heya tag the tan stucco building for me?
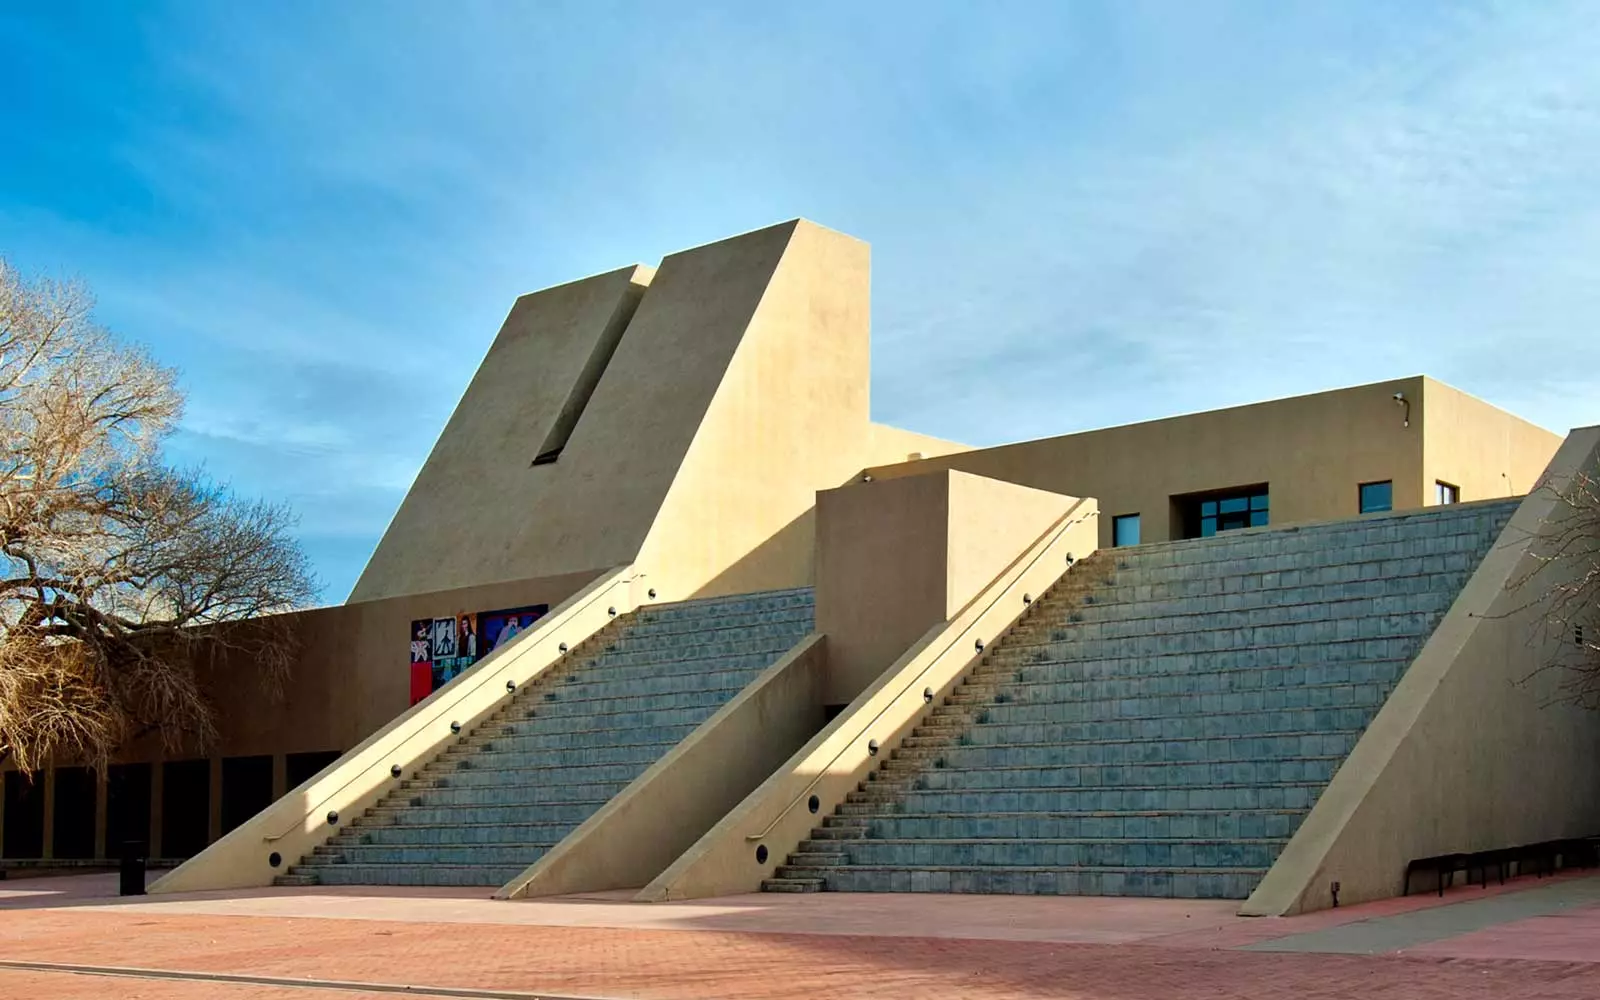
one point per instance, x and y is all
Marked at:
(701, 429)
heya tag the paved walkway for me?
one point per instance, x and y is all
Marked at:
(68, 937)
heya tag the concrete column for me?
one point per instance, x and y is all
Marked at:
(49, 848)
(102, 789)
(157, 783)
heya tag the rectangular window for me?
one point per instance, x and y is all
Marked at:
(1125, 530)
(1204, 514)
(1446, 493)
(1376, 497)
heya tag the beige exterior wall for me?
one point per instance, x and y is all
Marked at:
(898, 556)
(1484, 450)
(889, 445)
(1312, 451)
(479, 511)
(720, 392)
(1469, 753)
(787, 413)
(667, 808)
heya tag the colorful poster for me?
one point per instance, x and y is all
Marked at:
(421, 659)
(441, 648)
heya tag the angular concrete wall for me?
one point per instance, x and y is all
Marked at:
(748, 844)
(699, 407)
(896, 557)
(667, 808)
(789, 417)
(480, 511)
(1469, 753)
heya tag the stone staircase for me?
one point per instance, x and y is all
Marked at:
(561, 747)
(1161, 721)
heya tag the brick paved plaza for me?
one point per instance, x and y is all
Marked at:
(69, 937)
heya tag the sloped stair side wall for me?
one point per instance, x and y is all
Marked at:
(681, 796)
(748, 844)
(1473, 750)
(307, 816)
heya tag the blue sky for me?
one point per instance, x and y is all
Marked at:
(1081, 213)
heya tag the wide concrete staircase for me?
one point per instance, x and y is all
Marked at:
(561, 747)
(1161, 721)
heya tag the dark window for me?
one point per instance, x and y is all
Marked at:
(1377, 497)
(1446, 493)
(24, 827)
(1125, 530)
(1201, 515)
(185, 807)
(246, 788)
(127, 808)
(302, 767)
(73, 831)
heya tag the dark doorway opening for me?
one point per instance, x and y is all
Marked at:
(127, 808)
(24, 828)
(246, 788)
(301, 767)
(73, 830)
(185, 807)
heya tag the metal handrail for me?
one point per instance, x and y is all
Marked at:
(443, 708)
(1053, 533)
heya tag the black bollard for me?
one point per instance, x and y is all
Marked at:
(132, 868)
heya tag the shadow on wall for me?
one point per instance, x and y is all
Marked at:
(787, 559)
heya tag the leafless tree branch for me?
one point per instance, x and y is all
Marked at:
(120, 576)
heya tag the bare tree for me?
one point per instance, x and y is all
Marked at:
(123, 577)
(1564, 587)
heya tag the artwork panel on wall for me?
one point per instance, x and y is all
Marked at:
(441, 648)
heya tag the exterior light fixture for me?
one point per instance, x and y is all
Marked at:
(872, 747)
(927, 695)
(652, 593)
(562, 647)
(394, 771)
(274, 859)
(978, 645)
(761, 854)
(455, 727)
(612, 612)
(333, 819)
(1400, 398)
(511, 686)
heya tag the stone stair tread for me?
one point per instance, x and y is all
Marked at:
(1143, 869)
(555, 750)
(985, 841)
(1258, 656)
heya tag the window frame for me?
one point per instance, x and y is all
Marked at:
(1361, 497)
(1442, 489)
(1117, 521)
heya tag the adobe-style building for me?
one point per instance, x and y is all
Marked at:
(666, 610)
